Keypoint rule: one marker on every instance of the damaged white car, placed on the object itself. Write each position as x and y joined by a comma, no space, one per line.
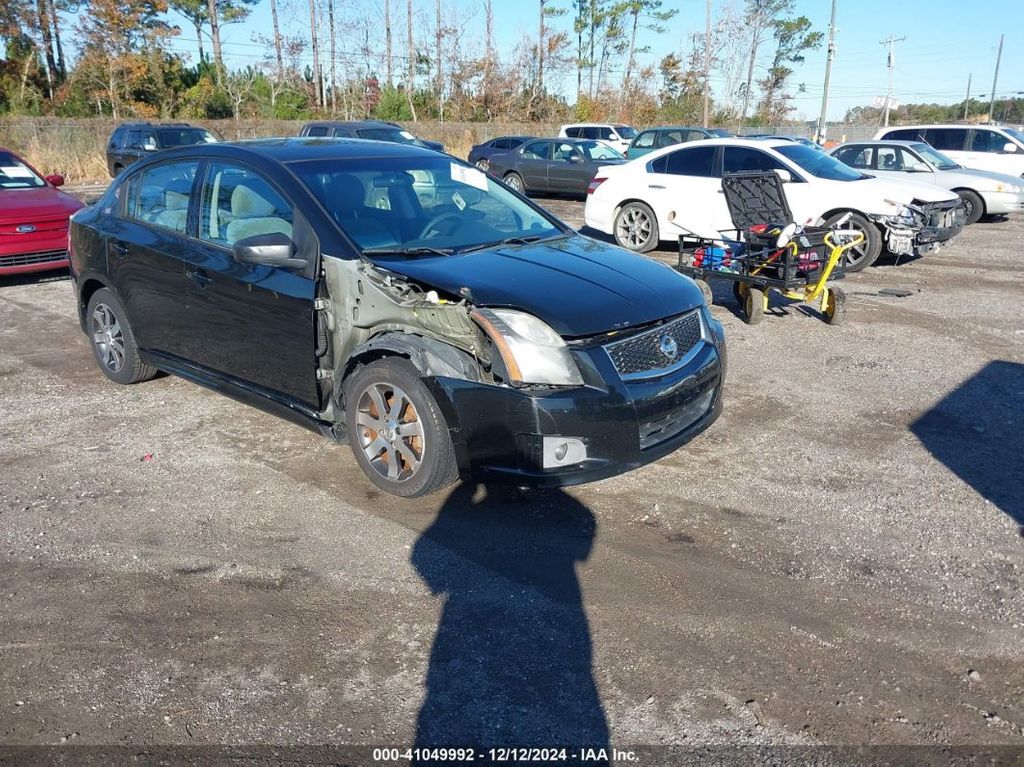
677,191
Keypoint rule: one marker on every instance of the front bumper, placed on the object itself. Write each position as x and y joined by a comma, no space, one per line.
37,252
921,229
1003,203
499,431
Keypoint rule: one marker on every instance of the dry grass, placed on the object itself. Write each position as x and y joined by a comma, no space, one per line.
77,148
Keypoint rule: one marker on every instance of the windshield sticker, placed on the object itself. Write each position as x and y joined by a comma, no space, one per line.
406,134
469,176
459,202
16,171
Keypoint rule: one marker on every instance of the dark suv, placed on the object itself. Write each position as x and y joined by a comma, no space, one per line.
132,141
375,130
473,334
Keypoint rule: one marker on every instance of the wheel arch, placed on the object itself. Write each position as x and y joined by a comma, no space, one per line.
847,209
88,285
979,195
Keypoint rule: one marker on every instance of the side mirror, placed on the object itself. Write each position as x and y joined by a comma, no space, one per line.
54,179
785,175
273,249
1009,148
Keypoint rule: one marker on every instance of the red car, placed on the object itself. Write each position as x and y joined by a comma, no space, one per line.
33,218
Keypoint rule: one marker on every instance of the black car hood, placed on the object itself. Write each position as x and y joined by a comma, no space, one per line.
577,285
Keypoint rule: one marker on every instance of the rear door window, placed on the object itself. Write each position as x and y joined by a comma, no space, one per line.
889,158
946,139
537,150
573,131
904,134
317,130
160,195
670,137
695,161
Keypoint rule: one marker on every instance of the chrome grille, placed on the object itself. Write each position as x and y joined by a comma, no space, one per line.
26,259
641,356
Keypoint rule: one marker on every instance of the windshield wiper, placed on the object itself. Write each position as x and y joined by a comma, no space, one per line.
517,240
412,252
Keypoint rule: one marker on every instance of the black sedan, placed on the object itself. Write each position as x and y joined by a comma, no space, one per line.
480,154
471,334
562,165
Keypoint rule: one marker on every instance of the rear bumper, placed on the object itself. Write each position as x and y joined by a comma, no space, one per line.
599,214
499,432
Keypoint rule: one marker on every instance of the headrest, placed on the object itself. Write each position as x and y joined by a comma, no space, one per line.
345,190
175,200
246,203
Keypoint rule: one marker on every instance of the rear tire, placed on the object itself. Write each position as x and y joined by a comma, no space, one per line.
973,203
398,434
866,253
834,308
112,340
636,228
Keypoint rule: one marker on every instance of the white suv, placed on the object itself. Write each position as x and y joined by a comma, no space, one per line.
615,135
997,148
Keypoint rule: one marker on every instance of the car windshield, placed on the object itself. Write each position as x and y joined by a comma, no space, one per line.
421,205
818,163
625,132
1016,134
935,157
14,174
721,132
185,137
595,150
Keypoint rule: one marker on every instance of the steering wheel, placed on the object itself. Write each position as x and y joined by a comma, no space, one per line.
432,223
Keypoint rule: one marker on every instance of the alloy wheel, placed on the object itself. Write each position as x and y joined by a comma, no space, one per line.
634,228
108,338
483,165
390,431
514,182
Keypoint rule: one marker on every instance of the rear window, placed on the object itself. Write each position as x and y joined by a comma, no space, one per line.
317,130
946,139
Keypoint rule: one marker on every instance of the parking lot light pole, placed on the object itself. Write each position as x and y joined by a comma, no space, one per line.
819,135
707,64
995,79
891,64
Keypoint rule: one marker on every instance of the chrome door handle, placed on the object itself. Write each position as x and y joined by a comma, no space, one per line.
655,186
119,247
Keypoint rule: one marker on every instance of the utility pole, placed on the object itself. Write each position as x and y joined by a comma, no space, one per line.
967,100
891,65
995,79
819,135
707,64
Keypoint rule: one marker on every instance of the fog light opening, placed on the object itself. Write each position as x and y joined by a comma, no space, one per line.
563,451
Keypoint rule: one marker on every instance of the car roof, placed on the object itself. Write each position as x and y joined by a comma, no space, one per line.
296,148
881,141
354,123
965,126
595,125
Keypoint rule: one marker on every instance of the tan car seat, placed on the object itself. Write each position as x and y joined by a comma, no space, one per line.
175,215
252,214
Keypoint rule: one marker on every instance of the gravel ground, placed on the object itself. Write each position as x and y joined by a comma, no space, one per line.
838,560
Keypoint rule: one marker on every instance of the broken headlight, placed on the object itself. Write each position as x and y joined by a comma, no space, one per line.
533,353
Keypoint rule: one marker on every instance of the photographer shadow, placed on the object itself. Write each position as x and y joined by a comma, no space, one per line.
511,663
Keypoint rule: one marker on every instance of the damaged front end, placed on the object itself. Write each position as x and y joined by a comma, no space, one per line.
920,227
559,415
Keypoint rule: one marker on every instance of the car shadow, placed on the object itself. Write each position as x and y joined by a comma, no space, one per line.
977,431
511,663
34,278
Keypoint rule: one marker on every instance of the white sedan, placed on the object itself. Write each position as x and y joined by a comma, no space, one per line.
983,192
678,190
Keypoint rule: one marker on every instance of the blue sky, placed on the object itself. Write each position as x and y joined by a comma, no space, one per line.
945,42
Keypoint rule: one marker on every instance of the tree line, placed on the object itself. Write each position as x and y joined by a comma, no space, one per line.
389,59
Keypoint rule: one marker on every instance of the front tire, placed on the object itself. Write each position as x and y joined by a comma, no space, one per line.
867,252
974,205
112,340
398,434
636,228
834,306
